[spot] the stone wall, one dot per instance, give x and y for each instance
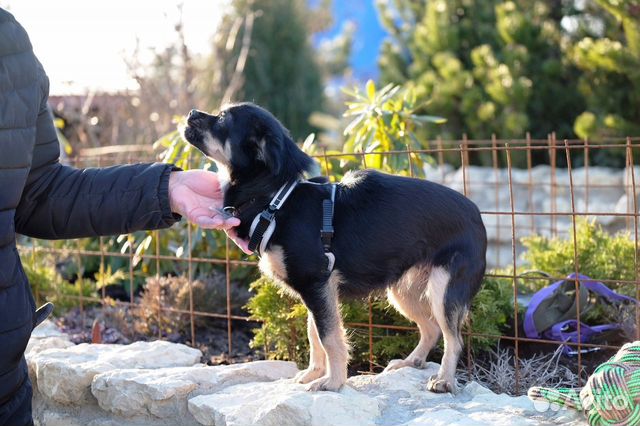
(608, 192)
(162, 383)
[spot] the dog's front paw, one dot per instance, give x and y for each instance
(437, 384)
(308, 375)
(395, 364)
(325, 383)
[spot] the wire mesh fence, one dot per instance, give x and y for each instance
(523, 187)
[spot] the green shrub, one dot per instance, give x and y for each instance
(387, 344)
(283, 333)
(284, 323)
(491, 310)
(47, 284)
(600, 255)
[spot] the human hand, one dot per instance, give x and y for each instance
(196, 195)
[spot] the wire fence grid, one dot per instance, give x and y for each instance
(569, 195)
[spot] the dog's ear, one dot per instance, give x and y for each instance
(270, 152)
(282, 156)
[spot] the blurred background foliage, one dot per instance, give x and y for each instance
(505, 68)
(487, 67)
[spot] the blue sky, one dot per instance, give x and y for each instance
(368, 37)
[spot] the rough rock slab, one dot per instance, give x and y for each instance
(284, 403)
(393, 398)
(163, 393)
(46, 329)
(35, 346)
(65, 375)
(44, 336)
(404, 400)
(155, 392)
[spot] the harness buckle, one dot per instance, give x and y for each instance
(326, 235)
(268, 214)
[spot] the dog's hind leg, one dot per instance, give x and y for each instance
(409, 299)
(449, 317)
(317, 356)
(325, 310)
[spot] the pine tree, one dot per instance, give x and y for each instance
(488, 66)
(279, 71)
(610, 81)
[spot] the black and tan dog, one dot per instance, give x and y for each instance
(422, 242)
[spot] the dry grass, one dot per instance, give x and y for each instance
(497, 372)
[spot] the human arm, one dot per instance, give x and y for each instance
(64, 202)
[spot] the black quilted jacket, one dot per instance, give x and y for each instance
(41, 198)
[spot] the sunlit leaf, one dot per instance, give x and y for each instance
(353, 93)
(374, 161)
(387, 92)
(356, 109)
(390, 94)
(354, 123)
(306, 145)
(429, 119)
(371, 90)
(348, 145)
(372, 147)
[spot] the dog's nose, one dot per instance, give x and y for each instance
(193, 116)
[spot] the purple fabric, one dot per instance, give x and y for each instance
(567, 331)
(555, 332)
(602, 290)
(529, 325)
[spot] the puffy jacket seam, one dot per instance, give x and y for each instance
(19, 326)
(26, 166)
(47, 142)
(22, 52)
(29, 85)
(91, 194)
(18, 127)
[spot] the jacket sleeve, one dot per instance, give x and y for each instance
(64, 202)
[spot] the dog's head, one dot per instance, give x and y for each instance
(248, 141)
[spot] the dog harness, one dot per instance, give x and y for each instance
(326, 233)
(264, 224)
